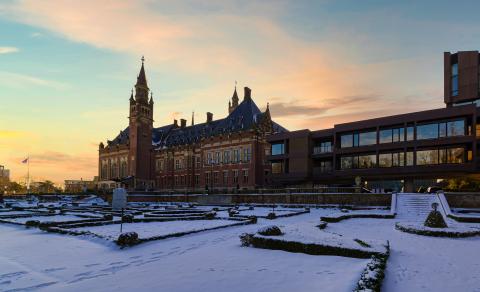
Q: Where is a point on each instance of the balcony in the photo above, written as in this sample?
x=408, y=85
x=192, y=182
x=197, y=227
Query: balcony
x=322, y=150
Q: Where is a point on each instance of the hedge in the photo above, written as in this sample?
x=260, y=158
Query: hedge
x=436, y=233
x=333, y=219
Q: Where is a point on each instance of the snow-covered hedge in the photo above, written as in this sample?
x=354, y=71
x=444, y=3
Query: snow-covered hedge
x=372, y=276
x=339, y=217
x=466, y=219
x=271, y=216
x=127, y=239
x=454, y=232
x=271, y=230
x=435, y=220
x=260, y=241
x=322, y=225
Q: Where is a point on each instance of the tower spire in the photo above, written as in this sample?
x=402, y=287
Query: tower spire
x=193, y=117
x=141, y=88
x=234, y=103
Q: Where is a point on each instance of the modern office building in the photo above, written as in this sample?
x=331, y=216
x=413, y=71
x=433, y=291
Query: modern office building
x=394, y=152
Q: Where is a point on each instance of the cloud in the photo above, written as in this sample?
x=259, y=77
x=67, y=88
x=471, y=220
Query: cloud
x=21, y=80
x=8, y=50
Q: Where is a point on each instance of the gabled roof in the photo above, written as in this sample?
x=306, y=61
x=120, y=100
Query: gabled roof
x=245, y=116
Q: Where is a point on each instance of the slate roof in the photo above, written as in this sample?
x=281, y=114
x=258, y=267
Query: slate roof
x=244, y=117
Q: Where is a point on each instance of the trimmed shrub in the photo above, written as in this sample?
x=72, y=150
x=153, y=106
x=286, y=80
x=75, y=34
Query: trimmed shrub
x=271, y=216
x=307, y=209
x=435, y=220
x=32, y=223
x=232, y=213
x=253, y=219
x=361, y=242
x=322, y=225
x=108, y=216
x=251, y=208
x=344, y=210
x=51, y=211
x=215, y=209
x=210, y=215
x=246, y=239
x=127, y=239
x=271, y=230
x=127, y=218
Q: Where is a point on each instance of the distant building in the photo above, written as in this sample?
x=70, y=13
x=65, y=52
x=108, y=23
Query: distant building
x=223, y=154
x=400, y=151
x=79, y=186
x=4, y=173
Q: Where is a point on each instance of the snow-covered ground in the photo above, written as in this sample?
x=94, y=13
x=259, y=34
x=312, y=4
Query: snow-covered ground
x=215, y=261
x=54, y=218
x=151, y=229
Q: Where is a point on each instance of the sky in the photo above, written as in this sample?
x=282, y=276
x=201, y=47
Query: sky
x=67, y=67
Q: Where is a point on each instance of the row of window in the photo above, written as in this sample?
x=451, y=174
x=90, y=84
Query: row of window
x=426, y=131
x=210, y=178
x=111, y=169
x=229, y=156
x=322, y=147
x=395, y=159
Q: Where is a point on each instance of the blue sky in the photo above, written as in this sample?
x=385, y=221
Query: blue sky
x=67, y=67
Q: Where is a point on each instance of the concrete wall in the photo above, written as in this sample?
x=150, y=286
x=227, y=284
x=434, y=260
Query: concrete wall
x=334, y=199
x=463, y=200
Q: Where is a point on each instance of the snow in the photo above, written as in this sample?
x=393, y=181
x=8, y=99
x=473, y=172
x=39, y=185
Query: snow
x=151, y=229
x=206, y=261
x=55, y=218
x=214, y=260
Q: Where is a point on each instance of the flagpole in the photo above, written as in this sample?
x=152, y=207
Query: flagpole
x=28, y=173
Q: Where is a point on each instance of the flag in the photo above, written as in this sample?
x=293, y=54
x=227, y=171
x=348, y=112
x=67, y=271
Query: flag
x=25, y=160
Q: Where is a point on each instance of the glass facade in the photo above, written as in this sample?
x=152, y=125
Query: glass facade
x=322, y=147
x=367, y=138
x=392, y=135
x=441, y=130
x=278, y=148
x=346, y=141
x=360, y=161
x=410, y=131
x=439, y=156
x=455, y=79
x=358, y=139
x=277, y=167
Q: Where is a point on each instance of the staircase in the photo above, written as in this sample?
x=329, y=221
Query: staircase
x=416, y=207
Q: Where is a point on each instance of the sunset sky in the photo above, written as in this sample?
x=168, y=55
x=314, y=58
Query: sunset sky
x=67, y=67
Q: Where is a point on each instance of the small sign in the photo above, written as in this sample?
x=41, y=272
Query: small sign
x=119, y=199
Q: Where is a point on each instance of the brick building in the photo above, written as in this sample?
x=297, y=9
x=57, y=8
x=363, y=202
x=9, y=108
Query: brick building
x=394, y=152
x=223, y=154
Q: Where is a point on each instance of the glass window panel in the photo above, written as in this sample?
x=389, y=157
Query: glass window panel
x=385, y=160
x=456, y=128
x=346, y=141
x=277, y=167
x=386, y=136
x=455, y=155
x=409, y=158
x=442, y=130
x=401, y=158
x=367, y=138
x=410, y=133
x=401, y=135
x=355, y=140
x=442, y=156
x=346, y=162
x=367, y=161
x=427, y=157
x=428, y=131
x=278, y=149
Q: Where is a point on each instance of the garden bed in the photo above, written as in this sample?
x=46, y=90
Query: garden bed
x=452, y=231
x=337, y=217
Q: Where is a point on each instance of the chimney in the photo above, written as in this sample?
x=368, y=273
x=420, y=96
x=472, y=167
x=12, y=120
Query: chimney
x=209, y=117
x=175, y=123
x=248, y=93
x=183, y=123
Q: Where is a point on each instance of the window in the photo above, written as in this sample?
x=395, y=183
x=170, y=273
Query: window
x=455, y=155
x=427, y=157
x=455, y=128
x=455, y=79
x=428, y=131
x=246, y=154
x=217, y=158
x=346, y=162
x=409, y=158
x=236, y=156
x=225, y=177
x=367, y=161
x=346, y=141
x=367, y=138
x=410, y=131
x=277, y=167
x=245, y=176
x=235, y=176
x=215, y=177
x=209, y=158
x=385, y=160
x=177, y=164
x=197, y=161
x=207, y=178
x=323, y=147
x=278, y=148
x=197, y=179
x=386, y=136
x=226, y=156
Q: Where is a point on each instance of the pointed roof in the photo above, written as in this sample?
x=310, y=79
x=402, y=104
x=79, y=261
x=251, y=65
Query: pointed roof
x=235, y=95
x=142, y=79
